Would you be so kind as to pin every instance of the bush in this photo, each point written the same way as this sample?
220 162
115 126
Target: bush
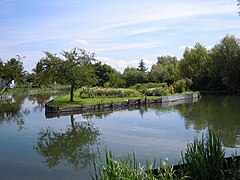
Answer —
180 86
108 92
160 91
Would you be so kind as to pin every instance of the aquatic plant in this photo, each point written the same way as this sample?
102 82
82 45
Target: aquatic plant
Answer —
204 158
124 168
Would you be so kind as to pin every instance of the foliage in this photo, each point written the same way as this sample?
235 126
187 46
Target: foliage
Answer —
142 67
225 64
204 158
160 91
75 69
195 64
12 70
164 70
132 76
106 74
121 168
180 86
108 92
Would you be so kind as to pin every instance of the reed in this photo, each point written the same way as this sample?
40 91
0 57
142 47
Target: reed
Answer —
204 158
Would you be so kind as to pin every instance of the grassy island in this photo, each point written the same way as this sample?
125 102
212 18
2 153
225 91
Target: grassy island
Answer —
94 96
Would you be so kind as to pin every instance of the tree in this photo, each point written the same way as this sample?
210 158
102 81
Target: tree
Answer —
164 70
225 64
75 69
195 64
133 76
142 67
42 74
103 73
12 70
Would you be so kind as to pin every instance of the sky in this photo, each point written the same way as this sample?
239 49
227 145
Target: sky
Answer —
121 33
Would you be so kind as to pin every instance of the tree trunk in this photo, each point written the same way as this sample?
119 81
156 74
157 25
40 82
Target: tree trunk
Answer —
71 92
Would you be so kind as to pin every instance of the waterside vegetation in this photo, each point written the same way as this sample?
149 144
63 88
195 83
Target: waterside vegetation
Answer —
203 159
93 96
215 69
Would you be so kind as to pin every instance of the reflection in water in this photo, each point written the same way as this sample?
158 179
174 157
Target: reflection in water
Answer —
72 146
218 112
11 112
41 98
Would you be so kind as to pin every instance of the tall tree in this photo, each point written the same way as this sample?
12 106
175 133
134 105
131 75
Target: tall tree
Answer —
13 70
142 67
195 64
225 67
103 73
164 70
133 76
75 68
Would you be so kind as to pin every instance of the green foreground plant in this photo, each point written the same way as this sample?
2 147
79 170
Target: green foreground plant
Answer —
203 159
123 168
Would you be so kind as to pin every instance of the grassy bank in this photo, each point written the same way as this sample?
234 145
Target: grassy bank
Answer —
63 101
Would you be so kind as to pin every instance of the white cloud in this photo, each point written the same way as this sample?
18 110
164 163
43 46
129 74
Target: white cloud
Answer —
80 41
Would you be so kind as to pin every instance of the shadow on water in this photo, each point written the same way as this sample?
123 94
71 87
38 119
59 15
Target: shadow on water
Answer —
73 146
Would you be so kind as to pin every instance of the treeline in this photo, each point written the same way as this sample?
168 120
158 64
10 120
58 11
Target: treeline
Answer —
215 69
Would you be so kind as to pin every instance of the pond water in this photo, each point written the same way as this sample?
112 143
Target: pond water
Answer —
36 146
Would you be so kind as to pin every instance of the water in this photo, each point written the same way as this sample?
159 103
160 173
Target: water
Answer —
33 146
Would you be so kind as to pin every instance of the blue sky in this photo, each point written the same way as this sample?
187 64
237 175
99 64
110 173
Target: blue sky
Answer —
119 32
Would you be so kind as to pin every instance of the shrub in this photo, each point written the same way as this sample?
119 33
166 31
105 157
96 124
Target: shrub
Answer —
108 92
180 86
160 91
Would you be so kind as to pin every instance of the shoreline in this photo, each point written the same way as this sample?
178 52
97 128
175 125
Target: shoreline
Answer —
118 105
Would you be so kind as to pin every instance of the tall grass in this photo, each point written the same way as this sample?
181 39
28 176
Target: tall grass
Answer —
127 168
204 158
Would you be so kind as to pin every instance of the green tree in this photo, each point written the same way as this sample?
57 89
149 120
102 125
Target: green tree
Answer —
164 70
225 64
12 70
103 73
42 74
195 65
75 68
133 76
142 67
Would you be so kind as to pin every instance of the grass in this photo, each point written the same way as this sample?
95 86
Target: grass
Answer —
203 159
124 168
63 101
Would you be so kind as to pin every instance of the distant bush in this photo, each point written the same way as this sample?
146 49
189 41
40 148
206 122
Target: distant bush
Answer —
139 86
160 91
108 92
180 86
